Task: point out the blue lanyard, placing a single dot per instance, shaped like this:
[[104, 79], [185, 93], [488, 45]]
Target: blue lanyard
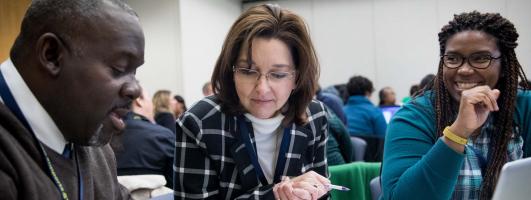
[[251, 151], [10, 102]]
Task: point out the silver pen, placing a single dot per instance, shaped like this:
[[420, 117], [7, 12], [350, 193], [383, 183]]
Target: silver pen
[[327, 186], [336, 187]]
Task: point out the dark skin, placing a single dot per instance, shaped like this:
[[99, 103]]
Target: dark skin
[[474, 89], [85, 83]]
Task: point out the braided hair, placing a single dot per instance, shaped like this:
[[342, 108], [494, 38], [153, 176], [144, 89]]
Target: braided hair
[[446, 108]]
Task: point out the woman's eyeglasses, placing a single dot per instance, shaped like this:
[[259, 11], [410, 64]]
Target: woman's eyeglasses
[[251, 76], [476, 60]]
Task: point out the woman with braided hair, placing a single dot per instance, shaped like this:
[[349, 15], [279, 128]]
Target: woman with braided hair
[[452, 139]]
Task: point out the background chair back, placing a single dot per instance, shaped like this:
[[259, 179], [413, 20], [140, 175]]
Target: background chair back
[[358, 146], [376, 188]]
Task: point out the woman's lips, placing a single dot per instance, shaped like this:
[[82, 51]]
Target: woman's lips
[[461, 86], [261, 101]]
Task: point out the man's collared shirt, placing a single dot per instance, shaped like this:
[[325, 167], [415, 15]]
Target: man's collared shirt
[[40, 121]]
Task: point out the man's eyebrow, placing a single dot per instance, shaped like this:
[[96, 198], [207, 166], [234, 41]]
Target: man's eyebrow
[[126, 59]]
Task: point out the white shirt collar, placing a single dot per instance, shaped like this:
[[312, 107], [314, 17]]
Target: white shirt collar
[[267, 126], [40, 121]]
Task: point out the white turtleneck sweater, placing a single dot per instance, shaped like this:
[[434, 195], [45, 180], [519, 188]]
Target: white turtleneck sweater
[[267, 135]]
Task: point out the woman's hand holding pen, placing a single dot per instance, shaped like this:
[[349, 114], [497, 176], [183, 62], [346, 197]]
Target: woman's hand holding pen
[[309, 185]]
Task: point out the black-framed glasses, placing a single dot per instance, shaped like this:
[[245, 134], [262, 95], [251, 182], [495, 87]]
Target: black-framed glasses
[[476, 60], [251, 76]]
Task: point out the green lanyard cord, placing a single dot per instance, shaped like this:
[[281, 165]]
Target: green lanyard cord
[[54, 175]]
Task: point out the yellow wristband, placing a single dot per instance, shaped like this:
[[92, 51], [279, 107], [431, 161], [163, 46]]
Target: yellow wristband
[[452, 136]]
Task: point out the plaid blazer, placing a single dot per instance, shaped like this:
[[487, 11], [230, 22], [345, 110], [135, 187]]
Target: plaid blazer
[[211, 160]]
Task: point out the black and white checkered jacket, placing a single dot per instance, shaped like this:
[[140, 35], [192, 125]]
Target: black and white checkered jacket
[[211, 161]]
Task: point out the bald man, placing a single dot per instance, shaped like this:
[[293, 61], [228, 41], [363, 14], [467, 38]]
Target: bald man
[[64, 90]]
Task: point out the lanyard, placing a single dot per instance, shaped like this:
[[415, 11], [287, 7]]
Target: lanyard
[[251, 151], [10, 102]]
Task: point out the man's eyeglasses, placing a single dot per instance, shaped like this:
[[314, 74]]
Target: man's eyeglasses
[[476, 60], [251, 76]]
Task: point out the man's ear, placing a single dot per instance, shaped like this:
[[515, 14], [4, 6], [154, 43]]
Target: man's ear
[[50, 50], [138, 102]]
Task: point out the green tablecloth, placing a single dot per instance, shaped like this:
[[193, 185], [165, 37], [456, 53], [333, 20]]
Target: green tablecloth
[[355, 176]]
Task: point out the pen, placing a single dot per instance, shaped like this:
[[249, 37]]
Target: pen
[[327, 186], [336, 187]]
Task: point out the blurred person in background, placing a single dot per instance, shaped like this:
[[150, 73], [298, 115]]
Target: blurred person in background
[[334, 103], [426, 80], [207, 89], [180, 106], [145, 148], [387, 97], [164, 106], [363, 118], [412, 90], [339, 146]]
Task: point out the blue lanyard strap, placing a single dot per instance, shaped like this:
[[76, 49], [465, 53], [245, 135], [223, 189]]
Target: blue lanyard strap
[[10, 102], [282, 154], [251, 151], [80, 178]]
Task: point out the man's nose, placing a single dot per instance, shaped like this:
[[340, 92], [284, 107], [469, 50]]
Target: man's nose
[[130, 90]]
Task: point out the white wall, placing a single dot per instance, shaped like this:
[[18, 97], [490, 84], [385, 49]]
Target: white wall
[[183, 41], [392, 42], [204, 25], [162, 68]]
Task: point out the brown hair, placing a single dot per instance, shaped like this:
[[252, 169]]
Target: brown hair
[[161, 101], [270, 22]]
